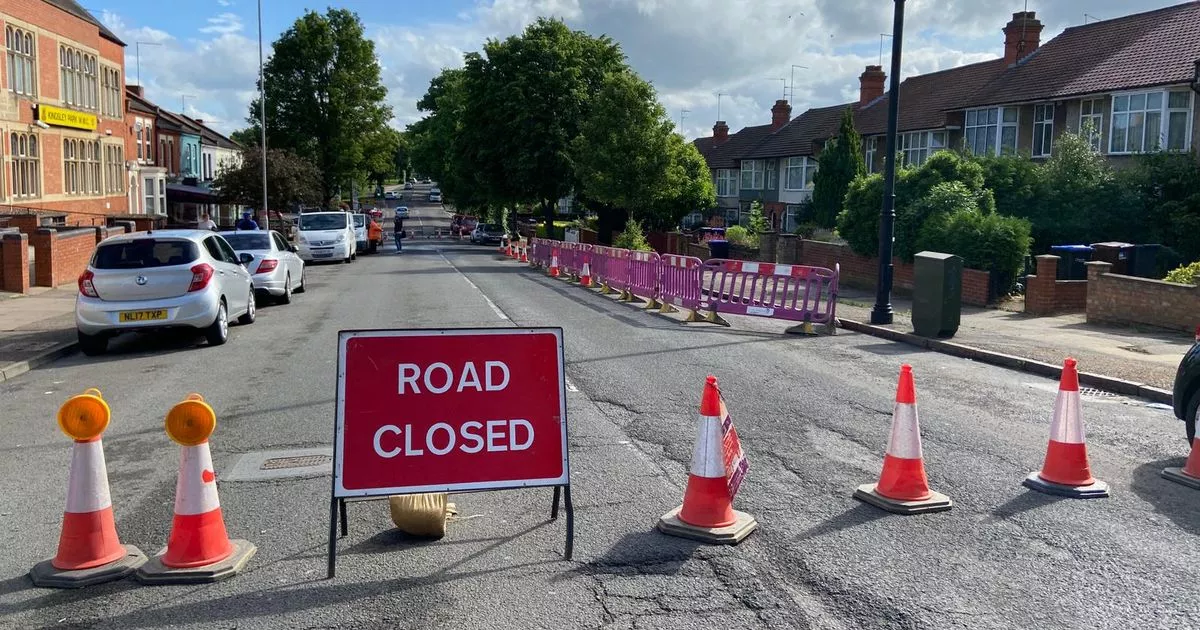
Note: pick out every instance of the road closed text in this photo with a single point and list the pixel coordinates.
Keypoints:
(492, 436)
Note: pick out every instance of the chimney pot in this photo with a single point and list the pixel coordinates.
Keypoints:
(137, 89)
(870, 84)
(720, 132)
(781, 113)
(1022, 36)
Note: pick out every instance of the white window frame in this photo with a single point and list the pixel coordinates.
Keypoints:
(148, 196)
(26, 165)
(1043, 130)
(870, 150)
(805, 166)
(162, 196)
(756, 169)
(111, 86)
(991, 130)
(917, 146)
(790, 214)
(772, 174)
(1125, 108)
(21, 57)
(727, 179)
(79, 74)
(114, 168)
(1091, 110)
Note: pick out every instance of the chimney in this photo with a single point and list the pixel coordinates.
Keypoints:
(137, 90)
(720, 132)
(198, 121)
(870, 84)
(781, 113)
(1022, 36)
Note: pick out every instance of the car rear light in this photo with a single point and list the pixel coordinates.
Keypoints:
(201, 275)
(267, 265)
(86, 287)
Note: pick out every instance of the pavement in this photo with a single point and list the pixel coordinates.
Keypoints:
(35, 328)
(813, 414)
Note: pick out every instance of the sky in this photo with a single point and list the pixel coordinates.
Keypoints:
(201, 57)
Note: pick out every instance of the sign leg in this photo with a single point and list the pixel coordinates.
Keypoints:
(554, 505)
(570, 522)
(333, 506)
(342, 510)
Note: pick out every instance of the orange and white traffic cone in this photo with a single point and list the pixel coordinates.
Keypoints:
(199, 549)
(1189, 475)
(89, 551)
(903, 487)
(585, 276)
(707, 512)
(1065, 471)
(554, 263)
(524, 255)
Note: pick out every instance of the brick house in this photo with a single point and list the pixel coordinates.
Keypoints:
(723, 153)
(147, 176)
(62, 114)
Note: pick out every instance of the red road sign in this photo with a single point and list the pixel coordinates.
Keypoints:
(449, 410)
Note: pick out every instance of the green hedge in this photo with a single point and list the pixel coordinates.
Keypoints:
(986, 241)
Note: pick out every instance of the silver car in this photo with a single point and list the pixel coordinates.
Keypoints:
(276, 270)
(162, 279)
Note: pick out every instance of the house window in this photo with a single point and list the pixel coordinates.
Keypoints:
(799, 173)
(991, 131)
(1091, 121)
(727, 184)
(79, 81)
(148, 190)
(872, 149)
(162, 196)
(916, 147)
(70, 166)
(1150, 121)
(772, 174)
(114, 167)
(90, 167)
(138, 131)
(26, 167)
(791, 218)
(111, 97)
(21, 57)
(753, 174)
(1043, 130)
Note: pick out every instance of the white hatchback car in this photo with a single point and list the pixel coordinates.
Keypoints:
(326, 236)
(164, 279)
(277, 271)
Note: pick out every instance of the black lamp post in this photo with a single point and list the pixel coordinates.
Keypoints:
(882, 313)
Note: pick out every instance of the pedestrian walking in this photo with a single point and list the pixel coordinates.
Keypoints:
(246, 222)
(398, 232)
(206, 222)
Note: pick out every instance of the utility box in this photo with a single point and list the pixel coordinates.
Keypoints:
(937, 294)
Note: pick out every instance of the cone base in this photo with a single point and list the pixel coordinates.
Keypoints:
(45, 575)
(937, 502)
(805, 329)
(155, 572)
(1178, 476)
(745, 525)
(1096, 490)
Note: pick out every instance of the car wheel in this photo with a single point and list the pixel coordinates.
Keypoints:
(301, 288)
(251, 313)
(92, 345)
(286, 298)
(1192, 417)
(217, 333)
(346, 260)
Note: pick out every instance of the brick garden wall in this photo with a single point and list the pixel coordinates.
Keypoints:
(14, 262)
(61, 256)
(1046, 295)
(1117, 299)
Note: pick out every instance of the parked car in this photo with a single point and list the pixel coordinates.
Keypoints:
(486, 233)
(408, 185)
(391, 194)
(1187, 389)
(276, 271)
(326, 236)
(402, 212)
(166, 279)
(360, 231)
(435, 195)
(466, 225)
(428, 181)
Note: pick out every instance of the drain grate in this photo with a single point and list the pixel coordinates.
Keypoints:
(1092, 392)
(302, 461)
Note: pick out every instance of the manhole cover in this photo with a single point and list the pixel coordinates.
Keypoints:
(1092, 392)
(302, 461)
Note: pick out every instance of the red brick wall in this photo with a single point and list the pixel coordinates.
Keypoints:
(61, 256)
(14, 263)
(1117, 299)
(1046, 295)
(27, 223)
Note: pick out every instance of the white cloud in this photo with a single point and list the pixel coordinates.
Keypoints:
(223, 24)
(225, 3)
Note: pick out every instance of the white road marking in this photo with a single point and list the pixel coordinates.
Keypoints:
(487, 299)
(571, 386)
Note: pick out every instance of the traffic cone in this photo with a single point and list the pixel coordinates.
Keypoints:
(707, 512)
(903, 487)
(585, 276)
(554, 263)
(1065, 471)
(89, 551)
(524, 255)
(1189, 475)
(199, 549)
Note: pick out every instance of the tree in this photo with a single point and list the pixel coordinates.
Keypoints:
(324, 95)
(290, 179)
(436, 144)
(379, 155)
(838, 165)
(248, 137)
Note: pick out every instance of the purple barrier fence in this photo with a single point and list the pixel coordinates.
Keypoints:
(680, 279)
(600, 264)
(540, 253)
(788, 292)
(643, 280)
(617, 268)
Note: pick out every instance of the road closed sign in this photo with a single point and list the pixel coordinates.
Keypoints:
(449, 410)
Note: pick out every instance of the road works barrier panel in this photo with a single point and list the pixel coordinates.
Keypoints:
(680, 279)
(788, 292)
(445, 411)
(643, 277)
(617, 271)
(599, 264)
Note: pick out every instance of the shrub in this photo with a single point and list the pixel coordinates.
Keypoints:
(946, 198)
(807, 230)
(632, 237)
(1187, 274)
(739, 235)
(985, 241)
(756, 222)
(1015, 181)
(558, 234)
(858, 223)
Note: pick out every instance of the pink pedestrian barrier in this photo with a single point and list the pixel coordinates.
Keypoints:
(788, 292)
(599, 264)
(644, 268)
(617, 270)
(680, 279)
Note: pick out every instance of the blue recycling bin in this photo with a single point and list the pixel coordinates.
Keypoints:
(1071, 261)
(718, 248)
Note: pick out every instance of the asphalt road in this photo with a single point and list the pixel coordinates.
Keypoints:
(813, 414)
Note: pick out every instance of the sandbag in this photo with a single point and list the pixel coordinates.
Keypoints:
(421, 514)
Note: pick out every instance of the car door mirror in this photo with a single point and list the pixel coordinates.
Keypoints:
(245, 259)
(292, 248)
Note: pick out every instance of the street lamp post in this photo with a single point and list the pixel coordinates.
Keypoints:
(262, 121)
(138, 46)
(882, 313)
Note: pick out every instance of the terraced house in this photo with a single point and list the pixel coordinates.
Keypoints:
(1131, 83)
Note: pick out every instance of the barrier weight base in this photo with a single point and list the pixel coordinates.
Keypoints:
(937, 502)
(44, 574)
(1097, 490)
(156, 573)
(745, 525)
(1178, 476)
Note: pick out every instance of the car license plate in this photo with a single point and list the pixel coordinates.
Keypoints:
(322, 254)
(142, 316)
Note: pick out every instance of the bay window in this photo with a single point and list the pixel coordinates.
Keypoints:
(753, 174)
(991, 130)
(1091, 121)
(1143, 122)
(1043, 130)
(872, 149)
(772, 174)
(726, 183)
(799, 173)
(917, 146)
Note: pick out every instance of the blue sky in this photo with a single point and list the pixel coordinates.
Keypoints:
(206, 53)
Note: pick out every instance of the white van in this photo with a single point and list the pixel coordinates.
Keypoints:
(326, 236)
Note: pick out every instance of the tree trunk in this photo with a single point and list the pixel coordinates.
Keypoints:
(548, 217)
